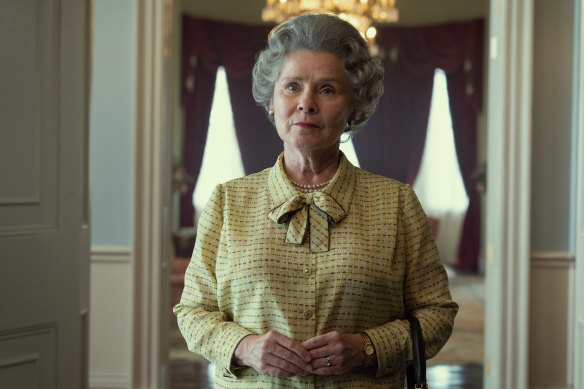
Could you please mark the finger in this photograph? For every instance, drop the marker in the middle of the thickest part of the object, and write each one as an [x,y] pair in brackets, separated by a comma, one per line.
[289,360]
[323,362]
[295,347]
[288,350]
[275,371]
[336,367]
[324,345]
[274,361]
[318,347]
[324,366]
[316,342]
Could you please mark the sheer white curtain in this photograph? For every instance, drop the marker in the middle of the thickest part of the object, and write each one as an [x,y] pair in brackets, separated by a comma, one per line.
[222,159]
[439,184]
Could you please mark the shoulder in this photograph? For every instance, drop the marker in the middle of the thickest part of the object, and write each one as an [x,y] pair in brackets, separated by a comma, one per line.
[381,185]
[244,192]
[240,192]
[253,183]
[381,192]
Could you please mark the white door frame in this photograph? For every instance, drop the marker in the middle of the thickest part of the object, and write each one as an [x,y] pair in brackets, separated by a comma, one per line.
[508,194]
[152,231]
[578,373]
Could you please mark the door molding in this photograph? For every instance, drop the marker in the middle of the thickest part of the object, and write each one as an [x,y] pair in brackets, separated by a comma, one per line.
[152,195]
[578,336]
[508,196]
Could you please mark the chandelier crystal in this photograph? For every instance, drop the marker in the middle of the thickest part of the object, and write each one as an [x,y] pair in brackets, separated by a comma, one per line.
[362,14]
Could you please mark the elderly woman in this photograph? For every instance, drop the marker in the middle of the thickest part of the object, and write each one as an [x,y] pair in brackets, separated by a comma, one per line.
[303,274]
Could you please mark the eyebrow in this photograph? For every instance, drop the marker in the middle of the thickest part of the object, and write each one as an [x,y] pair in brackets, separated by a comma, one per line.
[322,80]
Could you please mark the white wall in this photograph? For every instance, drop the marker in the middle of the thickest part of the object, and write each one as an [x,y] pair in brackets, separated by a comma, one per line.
[552,125]
[552,207]
[112,123]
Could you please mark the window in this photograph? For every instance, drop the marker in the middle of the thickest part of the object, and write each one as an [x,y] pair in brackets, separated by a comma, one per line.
[222,159]
[439,184]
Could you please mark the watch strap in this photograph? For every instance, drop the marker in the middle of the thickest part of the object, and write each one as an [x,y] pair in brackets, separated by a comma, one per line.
[368,349]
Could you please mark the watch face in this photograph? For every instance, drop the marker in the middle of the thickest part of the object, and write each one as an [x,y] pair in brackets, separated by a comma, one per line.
[369,350]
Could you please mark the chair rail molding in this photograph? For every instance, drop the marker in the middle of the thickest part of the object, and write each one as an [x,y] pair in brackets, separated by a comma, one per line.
[111,254]
[552,258]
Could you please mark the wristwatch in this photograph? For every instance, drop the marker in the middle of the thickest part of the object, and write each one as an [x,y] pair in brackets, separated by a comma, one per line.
[368,349]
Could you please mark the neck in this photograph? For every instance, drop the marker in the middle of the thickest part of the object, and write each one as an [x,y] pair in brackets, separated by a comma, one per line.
[311,168]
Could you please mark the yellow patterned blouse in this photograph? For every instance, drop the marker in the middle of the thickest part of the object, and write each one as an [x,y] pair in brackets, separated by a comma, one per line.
[263,260]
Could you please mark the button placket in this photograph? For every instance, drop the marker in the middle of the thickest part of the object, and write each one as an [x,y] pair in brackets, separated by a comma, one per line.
[307,310]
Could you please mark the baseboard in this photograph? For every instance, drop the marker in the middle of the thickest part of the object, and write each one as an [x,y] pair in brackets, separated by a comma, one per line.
[109,381]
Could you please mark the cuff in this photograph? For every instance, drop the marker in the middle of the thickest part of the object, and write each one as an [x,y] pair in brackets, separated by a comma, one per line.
[390,342]
[232,338]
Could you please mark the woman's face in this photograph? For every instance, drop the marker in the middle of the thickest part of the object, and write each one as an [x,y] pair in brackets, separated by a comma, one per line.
[312,101]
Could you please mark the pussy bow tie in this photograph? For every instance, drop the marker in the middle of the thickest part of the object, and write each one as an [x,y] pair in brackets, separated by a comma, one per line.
[315,211]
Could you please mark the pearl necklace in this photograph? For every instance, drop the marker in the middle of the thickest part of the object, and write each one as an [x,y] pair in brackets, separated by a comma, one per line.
[306,186]
[306,189]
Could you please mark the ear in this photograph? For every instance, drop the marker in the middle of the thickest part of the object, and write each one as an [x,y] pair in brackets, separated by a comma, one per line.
[271,104]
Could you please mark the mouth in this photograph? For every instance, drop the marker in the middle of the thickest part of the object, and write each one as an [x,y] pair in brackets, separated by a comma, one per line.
[305,125]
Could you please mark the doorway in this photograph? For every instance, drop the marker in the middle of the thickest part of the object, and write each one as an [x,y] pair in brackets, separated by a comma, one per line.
[499,138]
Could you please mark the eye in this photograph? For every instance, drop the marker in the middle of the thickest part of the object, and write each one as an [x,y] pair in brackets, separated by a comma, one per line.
[292,87]
[327,90]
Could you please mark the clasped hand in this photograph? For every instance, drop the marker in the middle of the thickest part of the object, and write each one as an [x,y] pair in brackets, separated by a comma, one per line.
[278,355]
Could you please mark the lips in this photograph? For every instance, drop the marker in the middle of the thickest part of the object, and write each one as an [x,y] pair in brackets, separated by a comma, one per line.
[305,125]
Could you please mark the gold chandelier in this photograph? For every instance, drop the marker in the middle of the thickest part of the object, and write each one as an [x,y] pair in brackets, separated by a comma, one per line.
[360,13]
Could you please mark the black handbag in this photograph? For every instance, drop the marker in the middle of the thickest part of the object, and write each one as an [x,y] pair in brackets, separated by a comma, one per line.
[416,373]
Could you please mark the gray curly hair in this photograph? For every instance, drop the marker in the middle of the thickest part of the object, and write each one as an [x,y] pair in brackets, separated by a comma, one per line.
[322,33]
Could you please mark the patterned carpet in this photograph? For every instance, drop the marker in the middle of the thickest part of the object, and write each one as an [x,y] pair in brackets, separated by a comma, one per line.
[466,343]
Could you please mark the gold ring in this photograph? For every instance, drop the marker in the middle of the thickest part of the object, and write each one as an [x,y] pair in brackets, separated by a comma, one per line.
[328,362]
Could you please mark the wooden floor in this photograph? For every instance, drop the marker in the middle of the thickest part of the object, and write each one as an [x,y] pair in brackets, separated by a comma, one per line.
[197,375]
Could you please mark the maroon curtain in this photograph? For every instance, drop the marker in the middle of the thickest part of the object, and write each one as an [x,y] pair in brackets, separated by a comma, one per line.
[465,96]
[206,45]
[199,71]
[392,143]
[258,140]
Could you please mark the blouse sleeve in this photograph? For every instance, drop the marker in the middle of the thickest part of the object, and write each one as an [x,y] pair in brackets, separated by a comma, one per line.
[206,329]
[426,293]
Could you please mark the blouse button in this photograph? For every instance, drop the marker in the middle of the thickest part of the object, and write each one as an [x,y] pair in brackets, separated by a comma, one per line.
[307,271]
[307,313]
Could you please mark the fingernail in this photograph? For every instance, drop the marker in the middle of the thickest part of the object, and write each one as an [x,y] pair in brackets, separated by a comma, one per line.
[309,367]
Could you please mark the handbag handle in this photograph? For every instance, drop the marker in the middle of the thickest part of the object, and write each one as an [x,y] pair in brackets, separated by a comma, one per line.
[416,373]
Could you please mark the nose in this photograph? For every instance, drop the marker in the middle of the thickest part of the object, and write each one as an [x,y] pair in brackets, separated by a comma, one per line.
[307,103]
